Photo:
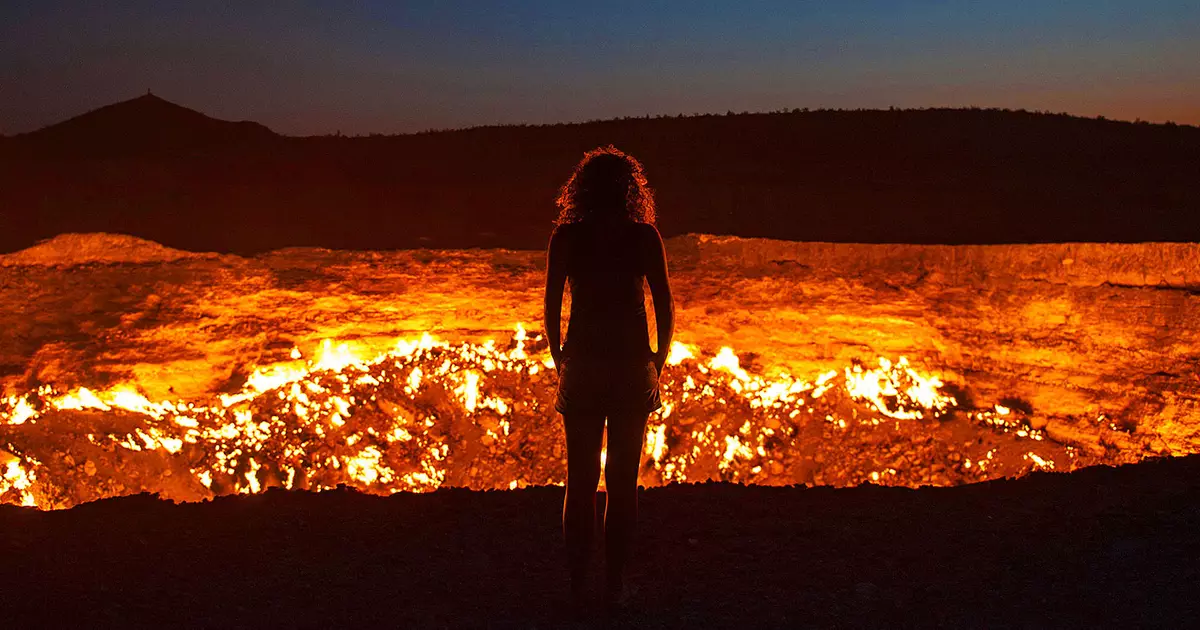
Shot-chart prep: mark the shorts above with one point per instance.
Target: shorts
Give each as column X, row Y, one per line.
column 607, row 387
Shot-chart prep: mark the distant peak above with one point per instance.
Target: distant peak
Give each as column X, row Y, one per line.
column 148, row 99
column 145, row 123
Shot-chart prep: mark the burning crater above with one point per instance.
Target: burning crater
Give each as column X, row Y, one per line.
column 130, row 367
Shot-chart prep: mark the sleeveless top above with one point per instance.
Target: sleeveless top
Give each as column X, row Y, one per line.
column 606, row 278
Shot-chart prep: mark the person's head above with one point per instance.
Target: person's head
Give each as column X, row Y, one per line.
column 606, row 184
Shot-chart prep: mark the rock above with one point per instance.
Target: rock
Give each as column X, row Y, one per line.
column 991, row 325
column 80, row 249
column 1083, row 438
column 89, row 468
column 866, row 590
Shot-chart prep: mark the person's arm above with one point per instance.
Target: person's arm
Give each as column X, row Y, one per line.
column 556, row 277
column 660, row 291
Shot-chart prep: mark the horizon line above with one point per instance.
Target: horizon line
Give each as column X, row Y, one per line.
column 656, row 116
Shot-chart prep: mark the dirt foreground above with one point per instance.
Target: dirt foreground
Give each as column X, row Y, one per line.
column 1100, row 546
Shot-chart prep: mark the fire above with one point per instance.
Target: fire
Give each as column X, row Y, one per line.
column 15, row 480
column 896, row 390
column 1039, row 462
column 427, row 413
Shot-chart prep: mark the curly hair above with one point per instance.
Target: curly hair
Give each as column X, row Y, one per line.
column 607, row 180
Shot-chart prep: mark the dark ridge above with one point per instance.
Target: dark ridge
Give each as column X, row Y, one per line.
column 1100, row 547
column 146, row 125
column 948, row 176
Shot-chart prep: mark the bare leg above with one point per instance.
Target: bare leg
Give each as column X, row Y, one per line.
column 626, row 434
column 585, row 432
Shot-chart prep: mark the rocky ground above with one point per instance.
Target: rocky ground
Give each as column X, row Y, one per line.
column 1069, row 330
column 1099, row 547
column 1089, row 346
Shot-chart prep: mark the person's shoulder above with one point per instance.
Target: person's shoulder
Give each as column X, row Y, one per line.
column 569, row 228
column 563, row 231
column 648, row 234
column 646, row 230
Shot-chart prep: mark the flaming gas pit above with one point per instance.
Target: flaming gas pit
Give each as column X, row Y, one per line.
column 428, row 413
column 138, row 368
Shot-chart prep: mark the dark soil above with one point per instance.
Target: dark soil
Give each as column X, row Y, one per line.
column 1098, row 547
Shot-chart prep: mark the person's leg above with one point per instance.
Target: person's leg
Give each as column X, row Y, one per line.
column 585, row 432
column 626, row 435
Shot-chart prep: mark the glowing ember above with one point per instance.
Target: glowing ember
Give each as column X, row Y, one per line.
column 15, row 481
column 195, row 376
column 428, row 413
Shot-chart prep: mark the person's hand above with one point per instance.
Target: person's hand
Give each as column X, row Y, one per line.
column 556, row 356
column 660, row 360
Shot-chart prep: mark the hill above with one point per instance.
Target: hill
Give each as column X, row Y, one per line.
column 146, row 126
column 159, row 171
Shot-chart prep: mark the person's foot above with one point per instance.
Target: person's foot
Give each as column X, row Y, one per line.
column 616, row 597
column 575, row 607
column 577, row 599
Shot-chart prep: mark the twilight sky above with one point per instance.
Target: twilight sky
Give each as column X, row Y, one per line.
column 373, row 66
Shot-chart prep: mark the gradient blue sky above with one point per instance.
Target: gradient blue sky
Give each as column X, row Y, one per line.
column 360, row 67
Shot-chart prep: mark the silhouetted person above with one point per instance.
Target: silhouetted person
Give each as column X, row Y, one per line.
column 604, row 245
